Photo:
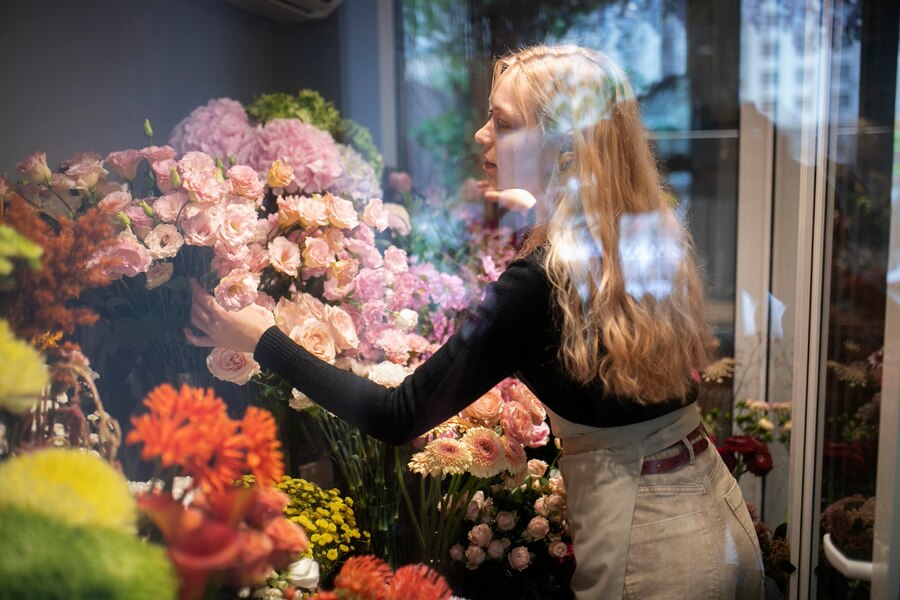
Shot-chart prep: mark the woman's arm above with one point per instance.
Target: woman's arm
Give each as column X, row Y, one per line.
column 490, row 346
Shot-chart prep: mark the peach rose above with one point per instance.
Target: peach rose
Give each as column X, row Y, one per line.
column 537, row 467
column 538, row 527
column 505, row 521
column 341, row 212
column 486, row 409
column 519, row 558
column 315, row 337
column 521, row 394
column 516, row 422
column 312, row 304
column 474, row 557
column 228, row 365
column 317, row 254
column 480, row 535
column 342, row 328
column 280, row 174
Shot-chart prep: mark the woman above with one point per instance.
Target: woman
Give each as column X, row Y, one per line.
column 602, row 316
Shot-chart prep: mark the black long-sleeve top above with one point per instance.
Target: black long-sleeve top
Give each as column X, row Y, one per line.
column 513, row 331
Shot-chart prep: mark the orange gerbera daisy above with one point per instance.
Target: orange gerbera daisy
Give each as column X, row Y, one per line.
column 260, row 434
column 363, row 578
column 417, row 582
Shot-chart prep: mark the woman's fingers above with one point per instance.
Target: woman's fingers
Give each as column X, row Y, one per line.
column 200, row 342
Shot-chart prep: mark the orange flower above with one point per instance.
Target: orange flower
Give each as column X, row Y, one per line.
column 289, row 541
column 264, row 457
column 418, row 582
column 363, row 577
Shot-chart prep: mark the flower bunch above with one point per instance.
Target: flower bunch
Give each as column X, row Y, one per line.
column 364, row 577
column 517, row 531
column 189, row 432
column 743, row 453
column 767, row 421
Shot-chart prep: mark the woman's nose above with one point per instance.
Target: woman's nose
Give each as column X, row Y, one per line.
column 483, row 136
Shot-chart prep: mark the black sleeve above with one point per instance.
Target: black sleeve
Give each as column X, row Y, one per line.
column 491, row 345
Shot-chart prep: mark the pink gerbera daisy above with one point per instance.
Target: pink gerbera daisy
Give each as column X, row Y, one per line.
column 488, row 455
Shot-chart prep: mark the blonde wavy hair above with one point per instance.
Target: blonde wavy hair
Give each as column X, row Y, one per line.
column 641, row 341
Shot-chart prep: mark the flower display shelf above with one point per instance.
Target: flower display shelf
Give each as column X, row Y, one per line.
column 848, row 567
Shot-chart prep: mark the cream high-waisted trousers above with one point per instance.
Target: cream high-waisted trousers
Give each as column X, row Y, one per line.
column 681, row 534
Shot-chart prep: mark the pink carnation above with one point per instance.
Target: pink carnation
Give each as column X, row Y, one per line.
column 369, row 284
column 237, row 290
column 221, row 129
column 395, row 346
column 124, row 163
column 312, row 153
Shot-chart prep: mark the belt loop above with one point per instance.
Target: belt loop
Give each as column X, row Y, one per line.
column 690, row 449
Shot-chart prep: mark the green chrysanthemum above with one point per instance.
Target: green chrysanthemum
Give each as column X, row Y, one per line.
column 22, row 373
column 68, row 485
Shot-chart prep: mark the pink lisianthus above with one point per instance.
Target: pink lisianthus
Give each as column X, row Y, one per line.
column 221, row 129
column 163, row 171
column 85, row 170
column 124, row 163
column 169, row 205
column 341, row 213
column 317, row 253
column 312, row 153
column 228, row 365
column 334, row 291
column 159, row 273
column 257, row 259
column 34, row 168
column 516, row 422
column 313, row 211
column 284, row 255
column 131, row 257
column 202, row 229
column 245, row 182
column 237, row 290
column 369, row 285
column 141, row 223
column 266, row 229
column 540, row 435
column 288, row 210
column 114, row 202
column 375, row 215
column 342, row 329
column 398, row 218
column 163, row 241
column 237, row 225
column 344, row 271
column 154, row 154
column 335, row 239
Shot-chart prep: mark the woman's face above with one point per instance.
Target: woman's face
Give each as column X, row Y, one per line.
column 512, row 144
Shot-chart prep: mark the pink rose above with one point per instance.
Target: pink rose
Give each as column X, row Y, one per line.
column 245, row 182
column 374, row 215
column 496, row 549
column 237, row 290
column 130, row 257
column 398, row 218
column 342, row 329
column 516, row 422
column 168, row 206
column 395, row 260
column 202, row 229
column 555, row 503
column 155, row 154
column 537, row 467
column 163, row 171
column 284, row 256
column 538, row 527
column 485, row 410
column 317, row 253
column 558, row 549
column 400, row 181
column 505, row 521
column 341, row 212
column 124, row 163
column 159, row 273
column 313, row 211
column 540, row 506
column 540, row 435
column 163, row 241
column 457, row 552
column 114, row 202
column 475, row 504
column 516, row 460
column 228, row 365
column 521, row 394
column 141, row 223
column 519, row 558
column 315, row 337
column 34, row 168
column 480, row 535
column 311, row 304
column 474, row 557
column 557, row 485
column 369, row 285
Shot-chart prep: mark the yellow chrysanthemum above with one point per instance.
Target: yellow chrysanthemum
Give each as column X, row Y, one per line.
column 23, row 375
column 69, row 485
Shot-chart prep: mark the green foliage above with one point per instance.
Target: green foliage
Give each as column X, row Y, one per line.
column 308, row 106
column 43, row 558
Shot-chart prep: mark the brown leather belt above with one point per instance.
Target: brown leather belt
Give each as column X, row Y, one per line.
column 670, row 463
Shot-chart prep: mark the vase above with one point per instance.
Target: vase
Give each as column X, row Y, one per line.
column 390, row 539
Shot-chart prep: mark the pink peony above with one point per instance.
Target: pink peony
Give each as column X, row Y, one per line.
column 114, row 202
column 315, row 337
column 124, row 163
column 159, row 273
column 34, row 168
column 163, row 241
column 474, row 557
column 342, row 328
column 245, row 182
column 375, row 215
column 519, row 558
column 341, row 213
column 538, row 527
column 516, row 422
column 480, row 535
column 237, row 290
column 369, row 285
column 284, row 255
column 312, row 153
column 505, row 521
column 163, row 171
column 317, row 253
column 202, row 229
column 228, row 365
column 131, row 257
column 220, row 128
column 155, row 154
column 398, row 218
column 487, row 409
column 168, row 207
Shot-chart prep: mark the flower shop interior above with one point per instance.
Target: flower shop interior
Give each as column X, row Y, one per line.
column 193, row 473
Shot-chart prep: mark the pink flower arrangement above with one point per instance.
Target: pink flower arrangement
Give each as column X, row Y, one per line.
column 311, row 152
column 220, row 128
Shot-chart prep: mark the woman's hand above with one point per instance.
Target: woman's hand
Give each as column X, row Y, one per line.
column 513, row 199
column 239, row 331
